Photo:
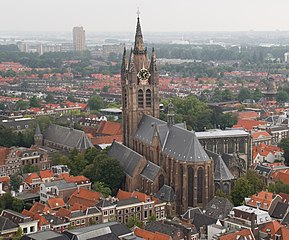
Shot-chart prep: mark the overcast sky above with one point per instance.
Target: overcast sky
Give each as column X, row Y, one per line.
column 156, row 15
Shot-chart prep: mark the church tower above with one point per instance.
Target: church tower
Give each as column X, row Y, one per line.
column 139, row 81
column 38, row 137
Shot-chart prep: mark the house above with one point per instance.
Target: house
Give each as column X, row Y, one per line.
column 144, row 234
column 84, row 197
column 46, row 235
column 218, row 208
column 259, row 137
column 109, row 230
column 55, row 203
column 8, row 228
column 261, row 200
column 108, row 210
column 26, row 223
column 242, row 234
column 56, row 189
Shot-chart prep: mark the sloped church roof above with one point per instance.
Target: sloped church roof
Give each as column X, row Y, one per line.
column 177, row 142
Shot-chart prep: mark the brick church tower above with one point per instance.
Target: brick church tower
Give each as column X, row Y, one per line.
column 139, row 81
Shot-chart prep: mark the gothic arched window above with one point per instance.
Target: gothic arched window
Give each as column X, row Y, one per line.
column 125, row 98
column 140, row 98
column 200, row 185
column 148, row 98
column 161, row 181
column 190, row 187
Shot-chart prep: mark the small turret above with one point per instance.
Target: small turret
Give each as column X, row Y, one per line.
column 38, row 137
column 124, row 67
column 154, row 78
column 171, row 115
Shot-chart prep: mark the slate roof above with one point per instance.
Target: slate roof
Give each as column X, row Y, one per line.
column 150, row 171
column 176, row 141
column 45, row 235
column 285, row 220
column 263, row 170
column 98, row 231
column 218, row 208
column 38, row 131
column 61, row 184
column 53, row 220
column 190, row 213
column 72, row 138
column 221, row 171
column 104, row 203
column 127, row 201
column 128, row 159
column 201, row 220
column 166, row 193
column 7, row 224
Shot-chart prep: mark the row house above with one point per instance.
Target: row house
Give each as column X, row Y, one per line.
column 13, row 160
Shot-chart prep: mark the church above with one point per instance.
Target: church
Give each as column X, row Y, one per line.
column 156, row 153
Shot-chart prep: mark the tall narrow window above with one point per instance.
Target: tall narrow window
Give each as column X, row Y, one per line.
column 148, row 98
column 190, row 187
column 125, row 98
column 140, row 98
column 161, row 181
column 200, row 185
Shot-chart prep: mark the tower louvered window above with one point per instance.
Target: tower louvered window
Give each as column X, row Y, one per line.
column 140, row 98
column 148, row 98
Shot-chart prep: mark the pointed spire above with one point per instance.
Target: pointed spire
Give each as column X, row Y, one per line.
column 131, row 66
column 124, row 61
column 38, row 131
column 171, row 115
column 138, row 43
column 153, row 64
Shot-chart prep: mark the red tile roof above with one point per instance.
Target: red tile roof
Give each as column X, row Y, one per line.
column 46, row 174
column 284, row 232
column 55, row 203
column 110, row 128
column 263, row 197
column 63, row 212
column 32, row 176
column 248, row 124
column 87, row 194
column 4, row 179
column 261, row 134
column 40, row 208
column 248, row 115
column 233, row 236
column 75, row 179
column 273, row 226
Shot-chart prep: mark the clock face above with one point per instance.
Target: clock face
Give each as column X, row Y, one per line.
column 143, row 74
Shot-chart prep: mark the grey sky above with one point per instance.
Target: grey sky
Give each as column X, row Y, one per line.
column 156, row 15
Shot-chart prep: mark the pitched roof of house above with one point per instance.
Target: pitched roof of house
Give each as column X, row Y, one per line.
column 31, row 177
column 245, row 233
column 121, row 194
column 63, row 212
column 201, row 220
column 280, row 210
column 72, row 138
column 218, row 208
column 87, row 194
column 46, row 174
column 40, row 208
column 273, row 226
column 248, row 124
column 264, row 198
column 128, row 159
column 248, row 115
column 7, row 224
column 75, row 179
column 166, row 193
column 145, row 234
column 260, row 134
column 55, row 202
column 110, row 128
column 284, row 232
column 150, row 171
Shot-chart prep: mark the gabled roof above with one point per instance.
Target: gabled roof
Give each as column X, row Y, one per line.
column 150, row 235
column 46, row 174
column 166, row 193
column 128, row 159
column 87, row 194
column 40, row 208
column 55, row 203
column 6, row 224
column 201, row 220
column 280, row 210
column 218, row 208
column 273, row 226
column 245, row 233
column 31, row 177
column 221, row 171
column 72, row 138
column 150, row 171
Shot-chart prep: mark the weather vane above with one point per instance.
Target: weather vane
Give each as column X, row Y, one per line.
column 138, row 12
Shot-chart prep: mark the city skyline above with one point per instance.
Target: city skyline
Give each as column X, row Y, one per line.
column 116, row 16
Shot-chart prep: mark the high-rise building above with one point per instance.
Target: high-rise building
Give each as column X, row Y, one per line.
column 78, row 39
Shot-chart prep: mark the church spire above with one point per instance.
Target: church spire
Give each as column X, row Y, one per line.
column 124, row 61
column 131, row 65
column 171, row 115
column 138, row 43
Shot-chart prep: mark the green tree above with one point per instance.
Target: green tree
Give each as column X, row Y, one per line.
column 59, row 159
column 284, row 144
column 34, row 102
column 255, row 180
column 257, row 94
column 29, row 168
column 15, row 182
column 90, row 154
column 102, row 188
column 282, row 96
column 227, row 95
column 49, row 98
column 105, row 88
column 133, row 221
column 95, row 103
column 244, row 94
column 21, row 105
column 278, row 187
column 18, row 234
column 242, row 189
column 76, row 164
column 105, row 169
column 71, row 98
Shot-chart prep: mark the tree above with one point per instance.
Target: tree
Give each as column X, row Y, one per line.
column 29, row 168
column 90, row 154
column 76, row 164
column 133, row 221
column 244, row 94
column 105, row 88
column 105, row 169
column 284, row 144
column 95, row 103
column 255, row 180
column 21, row 105
column 278, row 187
column 58, row 159
column 15, row 182
column 34, row 102
column 18, row 234
column 282, row 96
column 71, row 98
column 49, row 98
column 242, row 189
column 257, row 94
column 9, row 202
column 227, row 95
column 102, row 188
